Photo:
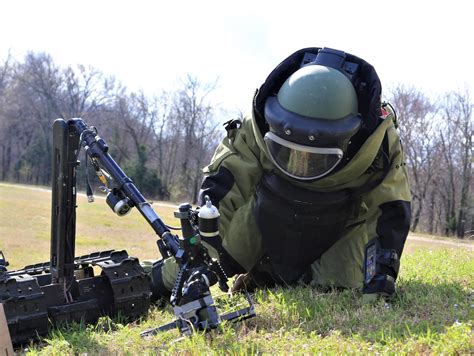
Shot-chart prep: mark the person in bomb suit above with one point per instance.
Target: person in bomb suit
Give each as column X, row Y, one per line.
column 313, row 186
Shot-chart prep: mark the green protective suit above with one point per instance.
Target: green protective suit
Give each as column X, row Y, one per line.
column 237, row 167
column 246, row 157
column 375, row 174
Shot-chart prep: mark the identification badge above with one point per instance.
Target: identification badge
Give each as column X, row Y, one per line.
column 370, row 264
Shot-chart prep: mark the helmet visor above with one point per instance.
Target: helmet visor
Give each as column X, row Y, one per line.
column 299, row 161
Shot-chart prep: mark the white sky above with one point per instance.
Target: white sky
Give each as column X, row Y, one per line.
column 149, row 44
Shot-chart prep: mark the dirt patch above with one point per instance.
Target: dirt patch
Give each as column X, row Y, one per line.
column 416, row 242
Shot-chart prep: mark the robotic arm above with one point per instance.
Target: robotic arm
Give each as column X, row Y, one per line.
column 191, row 297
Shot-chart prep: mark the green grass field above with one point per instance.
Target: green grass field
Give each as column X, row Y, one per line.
column 432, row 312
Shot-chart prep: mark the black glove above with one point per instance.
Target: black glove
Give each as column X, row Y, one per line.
column 379, row 270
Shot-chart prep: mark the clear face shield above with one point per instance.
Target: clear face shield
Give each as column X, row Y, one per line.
column 299, row 161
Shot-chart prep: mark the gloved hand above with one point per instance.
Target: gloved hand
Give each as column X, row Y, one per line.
column 243, row 282
column 162, row 274
column 379, row 286
column 257, row 278
column 380, row 267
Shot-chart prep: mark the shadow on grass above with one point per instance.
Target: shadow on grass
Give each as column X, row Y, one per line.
column 290, row 318
column 417, row 309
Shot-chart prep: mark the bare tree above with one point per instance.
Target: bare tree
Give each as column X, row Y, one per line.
column 162, row 113
column 456, row 138
column 5, row 137
column 33, row 104
column 417, row 129
column 38, row 92
column 84, row 91
column 193, row 117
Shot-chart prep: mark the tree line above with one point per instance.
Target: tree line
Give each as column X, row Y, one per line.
column 163, row 141
column 437, row 139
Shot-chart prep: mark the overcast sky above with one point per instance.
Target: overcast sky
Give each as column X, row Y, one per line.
column 149, row 44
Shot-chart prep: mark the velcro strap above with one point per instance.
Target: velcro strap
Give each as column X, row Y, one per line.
column 387, row 257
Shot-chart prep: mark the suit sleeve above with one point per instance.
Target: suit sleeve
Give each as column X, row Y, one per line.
column 390, row 205
column 229, row 181
column 383, row 216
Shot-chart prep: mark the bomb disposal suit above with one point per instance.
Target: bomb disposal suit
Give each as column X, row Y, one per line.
column 313, row 186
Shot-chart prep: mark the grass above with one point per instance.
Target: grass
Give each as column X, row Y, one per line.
column 432, row 312
column 25, row 215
